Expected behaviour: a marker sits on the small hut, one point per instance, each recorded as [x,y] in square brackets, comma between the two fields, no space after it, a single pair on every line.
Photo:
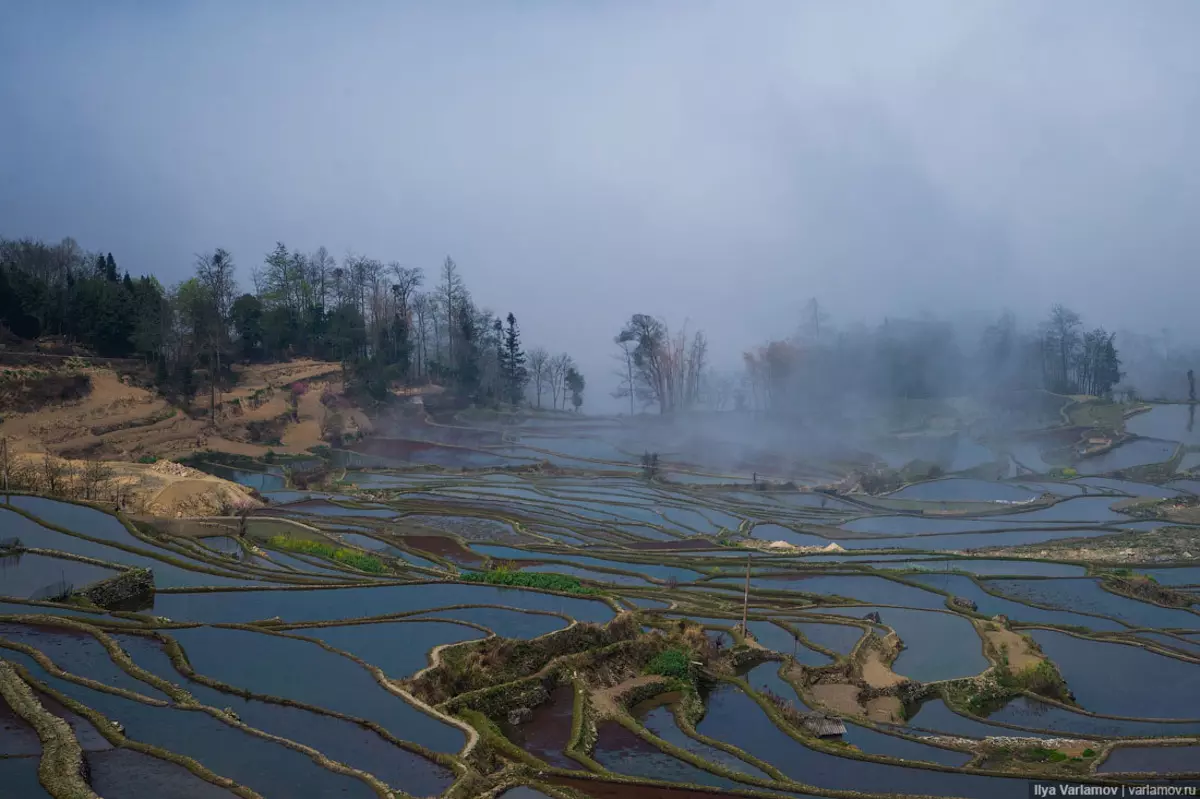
[824,726]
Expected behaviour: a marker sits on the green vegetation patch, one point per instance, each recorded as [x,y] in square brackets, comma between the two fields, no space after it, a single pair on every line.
[350,557]
[549,582]
[674,662]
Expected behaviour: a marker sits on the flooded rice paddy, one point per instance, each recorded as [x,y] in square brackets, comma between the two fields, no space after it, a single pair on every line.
[452,623]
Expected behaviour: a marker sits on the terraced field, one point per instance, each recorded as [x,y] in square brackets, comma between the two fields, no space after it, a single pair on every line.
[582,630]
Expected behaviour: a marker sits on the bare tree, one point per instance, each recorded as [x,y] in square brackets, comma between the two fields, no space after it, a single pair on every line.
[557,368]
[625,340]
[244,520]
[450,295]
[539,362]
[56,474]
[95,478]
[814,317]
[422,314]
[408,280]
[320,266]
[215,271]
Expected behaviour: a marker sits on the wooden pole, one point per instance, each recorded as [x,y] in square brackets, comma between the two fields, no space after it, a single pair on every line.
[746,597]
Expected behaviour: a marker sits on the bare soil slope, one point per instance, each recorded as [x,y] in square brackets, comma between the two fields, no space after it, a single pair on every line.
[162,489]
[117,421]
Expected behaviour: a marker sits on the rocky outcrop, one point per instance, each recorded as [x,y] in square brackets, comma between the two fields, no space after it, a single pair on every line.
[962,603]
[126,588]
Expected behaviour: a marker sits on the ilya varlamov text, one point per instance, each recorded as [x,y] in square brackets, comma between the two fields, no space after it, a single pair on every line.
[1042,790]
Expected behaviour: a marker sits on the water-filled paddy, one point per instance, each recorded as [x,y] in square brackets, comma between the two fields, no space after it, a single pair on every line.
[1158,759]
[735,719]
[322,508]
[1139,452]
[260,481]
[777,639]
[166,575]
[645,532]
[78,653]
[1163,688]
[320,605]
[957,488]
[658,719]
[879,743]
[777,532]
[935,716]
[253,661]
[29,576]
[20,775]
[1186,575]
[867,589]
[1087,596]
[79,518]
[398,648]
[968,541]
[547,733]
[129,774]
[505,623]
[619,750]
[834,637]
[989,605]
[588,574]
[1170,422]
[938,646]
[269,768]
[1027,711]
[339,739]
[1126,487]
[984,566]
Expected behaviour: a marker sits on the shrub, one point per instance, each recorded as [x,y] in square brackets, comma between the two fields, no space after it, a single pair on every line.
[673,662]
[1042,679]
[148,459]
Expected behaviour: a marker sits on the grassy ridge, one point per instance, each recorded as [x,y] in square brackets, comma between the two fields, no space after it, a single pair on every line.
[550,582]
[350,557]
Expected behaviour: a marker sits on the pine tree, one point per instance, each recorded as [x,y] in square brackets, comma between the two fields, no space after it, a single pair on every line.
[575,384]
[513,361]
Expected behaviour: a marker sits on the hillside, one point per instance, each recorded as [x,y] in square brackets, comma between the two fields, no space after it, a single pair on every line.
[115,420]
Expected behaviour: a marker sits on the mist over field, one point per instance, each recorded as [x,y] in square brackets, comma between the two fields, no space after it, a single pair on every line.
[712,165]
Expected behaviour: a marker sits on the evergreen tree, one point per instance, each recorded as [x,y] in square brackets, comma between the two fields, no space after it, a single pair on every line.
[575,384]
[513,361]
[247,317]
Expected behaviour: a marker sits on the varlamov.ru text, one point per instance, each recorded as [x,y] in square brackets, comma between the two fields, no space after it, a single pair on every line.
[1048,790]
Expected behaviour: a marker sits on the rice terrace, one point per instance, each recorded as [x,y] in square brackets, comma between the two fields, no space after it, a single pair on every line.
[554,611]
[613,400]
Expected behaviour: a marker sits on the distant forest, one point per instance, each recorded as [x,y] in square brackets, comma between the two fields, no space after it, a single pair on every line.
[821,365]
[926,358]
[389,324]
[373,317]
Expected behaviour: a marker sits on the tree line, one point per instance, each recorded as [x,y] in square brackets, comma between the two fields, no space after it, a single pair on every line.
[378,319]
[821,364]
[924,358]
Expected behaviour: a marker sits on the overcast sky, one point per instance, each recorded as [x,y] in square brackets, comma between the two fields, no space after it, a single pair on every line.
[718,162]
